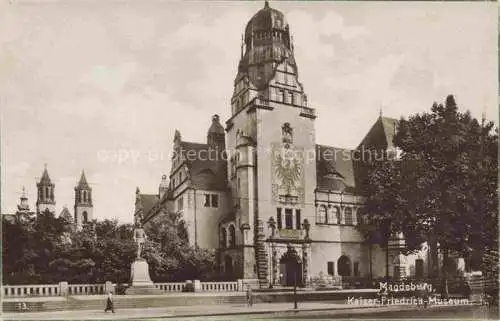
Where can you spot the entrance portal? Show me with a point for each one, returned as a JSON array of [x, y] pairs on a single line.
[[290, 269]]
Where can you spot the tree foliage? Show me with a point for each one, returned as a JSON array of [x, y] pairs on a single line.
[[444, 184], [46, 249]]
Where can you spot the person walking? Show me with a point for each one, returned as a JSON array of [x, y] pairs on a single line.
[[249, 296], [109, 303]]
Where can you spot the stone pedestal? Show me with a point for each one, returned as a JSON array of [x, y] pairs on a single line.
[[141, 282]]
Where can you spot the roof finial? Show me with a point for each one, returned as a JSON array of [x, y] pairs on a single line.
[[24, 193], [380, 112], [266, 4], [45, 166]]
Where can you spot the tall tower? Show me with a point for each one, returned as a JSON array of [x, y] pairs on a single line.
[[269, 115], [45, 190], [83, 202]]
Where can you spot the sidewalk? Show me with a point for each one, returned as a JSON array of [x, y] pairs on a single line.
[[198, 310]]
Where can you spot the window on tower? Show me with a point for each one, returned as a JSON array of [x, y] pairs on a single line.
[[321, 217], [288, 218], [278, 218]]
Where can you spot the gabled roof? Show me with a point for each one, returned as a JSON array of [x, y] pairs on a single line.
[[381, 135], [207, 169], [148, 201], [335, 169]]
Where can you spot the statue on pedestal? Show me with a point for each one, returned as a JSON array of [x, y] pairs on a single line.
[[140, 279], [140, 239]]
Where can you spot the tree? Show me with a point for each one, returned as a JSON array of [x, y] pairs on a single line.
[[444, 185], [169, 254]]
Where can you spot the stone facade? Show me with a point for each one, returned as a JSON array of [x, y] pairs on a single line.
[[276, 187]]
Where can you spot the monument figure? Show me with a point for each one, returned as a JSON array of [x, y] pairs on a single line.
[[139, 271], [140, 239]]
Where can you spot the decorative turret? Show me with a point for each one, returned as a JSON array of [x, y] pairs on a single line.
[[23, 204], [216, 136], [83, 202], [45, 188]]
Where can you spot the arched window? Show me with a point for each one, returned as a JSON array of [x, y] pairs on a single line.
[[85, 217], [344, 266], [359, 216], [338, 215], [332, 215], [321, 214], [232, 236], [223, 238], [348, 216]]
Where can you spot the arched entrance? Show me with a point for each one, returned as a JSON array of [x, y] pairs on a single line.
[[344, 266], [290, 268]]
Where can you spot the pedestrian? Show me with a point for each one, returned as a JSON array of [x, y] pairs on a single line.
[[109, 303], [249, 296], [426, 294]]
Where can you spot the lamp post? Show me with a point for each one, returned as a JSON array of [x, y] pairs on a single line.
[[295, 268], [293, 261]]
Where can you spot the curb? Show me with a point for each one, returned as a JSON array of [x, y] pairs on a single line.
[[342, 309]]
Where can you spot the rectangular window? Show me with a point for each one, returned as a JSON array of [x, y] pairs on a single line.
[[278, 218], [281, 95], [180, 204], [330, 268], [297, 219], [356, 268], [288, 218], [180, 177], [215, 200], [207, 200]]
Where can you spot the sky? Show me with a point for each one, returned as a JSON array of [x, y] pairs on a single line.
[[102, 85]]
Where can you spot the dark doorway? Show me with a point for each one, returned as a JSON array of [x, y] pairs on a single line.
[[288, 273], [419, 268], [344, 266], [228, 265]]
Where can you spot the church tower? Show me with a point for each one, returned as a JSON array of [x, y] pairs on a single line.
[[83, 203], [270, 134], [45, 190]]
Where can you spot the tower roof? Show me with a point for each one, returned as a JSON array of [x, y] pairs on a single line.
[[268, 42], [82, 184], [65, 214], [216, 127], [266, 18], [45, 180]]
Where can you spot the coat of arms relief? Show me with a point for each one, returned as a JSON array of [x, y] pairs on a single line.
[[287, 165]]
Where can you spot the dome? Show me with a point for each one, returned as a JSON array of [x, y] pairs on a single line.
[[266, 18]]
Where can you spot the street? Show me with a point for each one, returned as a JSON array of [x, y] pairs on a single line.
[[453, 313]]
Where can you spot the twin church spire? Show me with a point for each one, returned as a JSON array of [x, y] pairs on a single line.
[[46, 198]]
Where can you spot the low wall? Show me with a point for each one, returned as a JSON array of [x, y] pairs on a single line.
[[65, 289]]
